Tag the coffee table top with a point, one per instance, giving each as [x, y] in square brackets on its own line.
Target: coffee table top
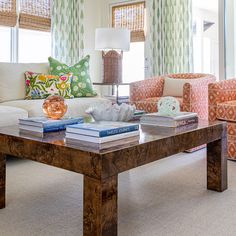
[154, 144]
[147, 134]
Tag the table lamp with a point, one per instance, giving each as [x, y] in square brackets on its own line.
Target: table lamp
[112, 42]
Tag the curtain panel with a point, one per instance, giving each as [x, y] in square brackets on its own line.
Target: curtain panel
[169, 37]
[68, 30]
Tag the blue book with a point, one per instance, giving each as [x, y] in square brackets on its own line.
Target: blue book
[44, 125]
[102, 128]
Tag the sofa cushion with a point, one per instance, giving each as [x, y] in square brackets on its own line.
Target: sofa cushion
[12, 79]
[226, 111]
[40, 86]
[11, 115]
[81, 85]
[174, 87]
[76, 106]
[150, 104]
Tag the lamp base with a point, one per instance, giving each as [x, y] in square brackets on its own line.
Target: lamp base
[112, 67]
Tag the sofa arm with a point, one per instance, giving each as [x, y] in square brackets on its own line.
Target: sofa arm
[195, 96]
[219, 92]
[148, 88]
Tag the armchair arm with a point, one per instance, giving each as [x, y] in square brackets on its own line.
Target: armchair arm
[219, 92]
[195, 96]
[148, 88]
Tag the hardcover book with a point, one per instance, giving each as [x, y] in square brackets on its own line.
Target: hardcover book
[181, 119]
[116, 143]
[43, 124]
[102, 128]
[105, 139]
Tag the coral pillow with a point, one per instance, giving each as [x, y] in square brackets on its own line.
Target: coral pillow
[40, 86]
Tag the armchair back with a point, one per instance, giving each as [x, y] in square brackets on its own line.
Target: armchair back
[145, 94]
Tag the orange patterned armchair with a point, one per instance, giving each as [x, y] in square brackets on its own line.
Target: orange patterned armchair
[222, 106]
[190, 89]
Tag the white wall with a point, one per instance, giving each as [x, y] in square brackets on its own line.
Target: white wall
[92, 20]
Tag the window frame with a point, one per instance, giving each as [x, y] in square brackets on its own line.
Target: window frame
[114, 4]
[14, 35]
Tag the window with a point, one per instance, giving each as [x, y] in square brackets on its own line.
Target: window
[205, 38]
[31, 40]
[133, 66]
[5, 45]
[8, 16]
[35, 15]
[131, 16]
[230, 39]
[34, 46]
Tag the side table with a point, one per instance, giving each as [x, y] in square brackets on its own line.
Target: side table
[113, 84]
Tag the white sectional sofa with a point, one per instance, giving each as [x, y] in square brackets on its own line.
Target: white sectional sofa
[12, 92]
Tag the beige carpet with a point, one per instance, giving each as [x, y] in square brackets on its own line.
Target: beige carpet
[168, 197]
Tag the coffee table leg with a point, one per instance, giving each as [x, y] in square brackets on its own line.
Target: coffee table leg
[217, 165]
[100, 206]
[2, 180]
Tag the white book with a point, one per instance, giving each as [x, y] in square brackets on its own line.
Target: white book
[159, 117]
[93, 139]
[102, 128]
[116, 143]
[45, 122]
[31, 128]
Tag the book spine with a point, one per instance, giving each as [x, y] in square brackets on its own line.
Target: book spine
[110, 132]
[56, 128]
[189, 121]
[55, 125]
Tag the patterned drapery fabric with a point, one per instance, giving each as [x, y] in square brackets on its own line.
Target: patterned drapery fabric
[68, 30]
[169, 37]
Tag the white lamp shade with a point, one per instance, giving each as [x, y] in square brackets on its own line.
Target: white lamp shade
[112, 38]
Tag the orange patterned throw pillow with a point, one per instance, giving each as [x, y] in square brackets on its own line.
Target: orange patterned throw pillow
[40, 86]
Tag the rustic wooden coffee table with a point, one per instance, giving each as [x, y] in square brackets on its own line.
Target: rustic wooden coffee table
[101, 168]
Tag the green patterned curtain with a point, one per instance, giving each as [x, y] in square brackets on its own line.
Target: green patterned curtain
[169, 37]
[67, 30]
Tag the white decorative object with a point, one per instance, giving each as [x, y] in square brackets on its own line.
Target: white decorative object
[168, 106]
[105, 112]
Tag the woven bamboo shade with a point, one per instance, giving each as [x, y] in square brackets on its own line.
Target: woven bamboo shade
[132, 17]
[35, 15]
[8, 15]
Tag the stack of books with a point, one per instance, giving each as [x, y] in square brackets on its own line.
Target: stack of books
[121, 99]
[166, 131]
[181, 119]
[40, 125]
[103, 134]
[138, 114]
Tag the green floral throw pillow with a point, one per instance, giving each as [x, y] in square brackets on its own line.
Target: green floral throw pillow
[81, 85]
[40, 86]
